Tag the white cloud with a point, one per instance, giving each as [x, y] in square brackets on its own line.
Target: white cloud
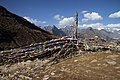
[91, 16]
[114, 29]
[66, 22]
[35, 21]
[115, 15]
[114, 25]
[98, 26]
[84, 20]
[58, 17]
[83, 12]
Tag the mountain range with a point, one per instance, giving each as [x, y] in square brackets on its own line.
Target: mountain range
[15, 31]
[54, 30]
[84, 33]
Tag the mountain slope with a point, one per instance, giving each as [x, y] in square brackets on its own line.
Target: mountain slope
[68, 30]
[90, 32]
[15, 31]
[54, 30]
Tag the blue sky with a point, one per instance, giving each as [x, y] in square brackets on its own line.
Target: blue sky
[61, 12]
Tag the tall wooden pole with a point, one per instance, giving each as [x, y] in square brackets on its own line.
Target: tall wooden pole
[76, 25]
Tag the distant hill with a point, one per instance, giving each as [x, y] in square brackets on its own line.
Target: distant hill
[90, 33]
[82, 33]
[68, 30]
[54, 30]
[16, 31]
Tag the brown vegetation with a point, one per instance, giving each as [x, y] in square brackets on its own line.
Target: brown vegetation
[87, 66]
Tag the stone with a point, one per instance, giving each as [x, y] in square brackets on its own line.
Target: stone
[98, 64]
[93, 61]
[28, 61]
[45, 61]
[46, 77]
[111, 62]
[38, 77]
[105, 65]
[87, 71]
[75, 60]
[117, 67]
[112, 56]
[52, 73]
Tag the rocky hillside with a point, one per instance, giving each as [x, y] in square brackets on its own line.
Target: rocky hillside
[15, 31]
[87, 66]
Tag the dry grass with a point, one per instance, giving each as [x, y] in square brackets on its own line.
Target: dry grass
[89, 66]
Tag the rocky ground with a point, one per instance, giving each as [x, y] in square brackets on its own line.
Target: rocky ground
[87, 66]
